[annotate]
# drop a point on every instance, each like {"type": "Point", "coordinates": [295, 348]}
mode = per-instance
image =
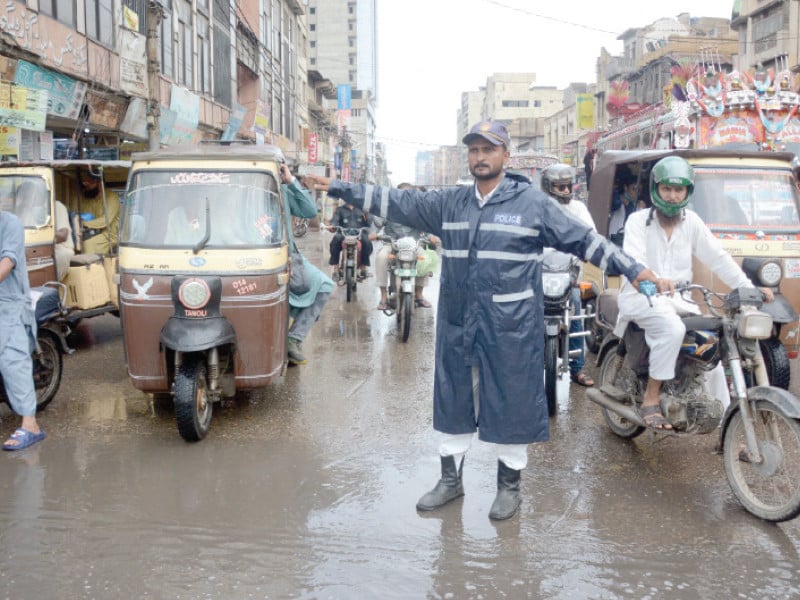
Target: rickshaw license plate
{"type": "Point", "coordinates": [406, 272]}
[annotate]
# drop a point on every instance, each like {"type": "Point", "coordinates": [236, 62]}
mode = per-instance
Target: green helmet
{"type": "Point", "coordinates": [672, 170]}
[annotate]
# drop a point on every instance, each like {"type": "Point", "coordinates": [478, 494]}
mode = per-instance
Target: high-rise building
{"type": "Point", "coordinates": [343, 47]}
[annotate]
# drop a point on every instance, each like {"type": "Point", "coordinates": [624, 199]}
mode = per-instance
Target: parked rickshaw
{"type": "Point", "coordinates": [203, 264]}
{"type": "Point", "coordinates": [31, 190]}
{"type": "Point", "coordinates": [750, 202]}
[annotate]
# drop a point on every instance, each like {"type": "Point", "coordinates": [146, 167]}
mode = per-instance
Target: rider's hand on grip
{"type": "Point", "coordinates": [648, 288]}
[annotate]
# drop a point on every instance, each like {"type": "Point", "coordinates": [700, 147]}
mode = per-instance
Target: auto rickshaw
{"type": "Point", "coordinates": [750, 201]}
{"type": "Point", "coordinates": [31, 190]}
{"type": "Point", "coordinates": [203, 276]}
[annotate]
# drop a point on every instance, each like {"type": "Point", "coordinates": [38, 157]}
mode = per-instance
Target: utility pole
{"type": "Point", "coordinates": [154, 15]}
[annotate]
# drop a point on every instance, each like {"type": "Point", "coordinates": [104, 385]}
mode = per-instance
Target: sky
{"type": "Point", "coordinates": [430, 51]}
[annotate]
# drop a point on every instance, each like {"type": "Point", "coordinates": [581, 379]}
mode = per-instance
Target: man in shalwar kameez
{"type": "Point", "coordinates": [489, 328]}
{"type": "Point", "coordinates": [17, 332]}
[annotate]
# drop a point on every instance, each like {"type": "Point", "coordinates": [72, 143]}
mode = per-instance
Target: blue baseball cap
{"type": "Point", "coordinates": [492, 131]}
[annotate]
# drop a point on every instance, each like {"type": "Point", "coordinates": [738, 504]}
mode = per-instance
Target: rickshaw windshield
{"type": "Point", "coordinates": [746, 200]}
{"type": "Point", "coordinates": [207, 208]}
{"type": "Point", "coordinates": [27, 197]}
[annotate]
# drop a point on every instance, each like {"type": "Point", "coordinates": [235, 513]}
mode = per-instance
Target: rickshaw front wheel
{"type": "Point", "coordinates": [192, 404]}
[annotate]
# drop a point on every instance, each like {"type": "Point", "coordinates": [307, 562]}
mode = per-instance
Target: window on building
{"type": "Point", "coordinates": [203, 54]}
{"type": "Point", "coordinates": [351, 8]}
{"type": "Point", "coordinates": [165, 40]}
{"type": "Point", "coordinates": [223, 86]}
{"type": "Point", "coordinates": [277, 23]}
{"type": "Point", "coordinates": [185, 73]}
{"type": "Point", "coordinates": [222, 12]}
{"type": "Point", "coordinates": [515, 104]}
{"type": "Point", "coordinates": [61, 10]}
{"type": "Point", "coordinates": [99, 22]}
{"type": "Point", "coordinates": [351, 42]}
{"type": "Point", "coordinates": [137, 6]}
{"type": "Point", "coordinates": [312, 10]}
{"type": "Point", "coordinates": [266, 26]}
{"type": "Point", "coordinates": [537, 104]}
{"type": "Point", "coordinates": [312, 27]}
{"type": "Point", "coordinates": [313, 44]}
{"type": "Point", "coordinates": [313, 60]}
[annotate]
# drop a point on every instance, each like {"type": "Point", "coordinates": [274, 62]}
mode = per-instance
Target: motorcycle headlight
{"type": "Point", "coordinates": [406, 243]}
{"type": "Point", "coordinates": [194, 293]}
{"type": "Point", "coordinates": [407, 255]}
{"type": "Point", "coordinates": [755, 325]}
{"type": "Point", "coordinates": [769, 274]}
{"type": "Point", "coordinates": [555, 285]}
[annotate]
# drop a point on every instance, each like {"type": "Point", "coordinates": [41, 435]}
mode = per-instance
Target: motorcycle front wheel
{"type": "Point", "coordinates": [770, 489]}
{"type": "Point", "coordinates": [614, 373]}
{"type": "Point", "coordinates": [404, 315]}
{"type": "Point", "coordinates": [551, 373]}
{"type": "Point", "coordinates": [776, 360]}
{"type": "Point", "coordinates": [47, 368]}
{"type": "Point", "coordinates": [192, 404]}
{"type": "Point", "coordinates": [350, 282]}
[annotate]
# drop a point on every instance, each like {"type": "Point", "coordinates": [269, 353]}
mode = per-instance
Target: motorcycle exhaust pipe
{"type": "Point", "coordinates": [623, 410]}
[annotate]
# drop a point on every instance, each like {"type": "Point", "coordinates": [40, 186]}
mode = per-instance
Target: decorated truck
{"type": "Point", "coordinates": [709, 108]}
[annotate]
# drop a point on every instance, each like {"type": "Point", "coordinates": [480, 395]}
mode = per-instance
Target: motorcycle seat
{"type": "Point", "coordinates": [48, 304]}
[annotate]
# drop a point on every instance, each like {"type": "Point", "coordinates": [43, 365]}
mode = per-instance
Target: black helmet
{"type": "Point", "coordinates": [557, 181]}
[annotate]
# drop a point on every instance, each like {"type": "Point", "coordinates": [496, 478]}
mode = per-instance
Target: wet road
{"type": "Point", "coordinates": [307, 490]}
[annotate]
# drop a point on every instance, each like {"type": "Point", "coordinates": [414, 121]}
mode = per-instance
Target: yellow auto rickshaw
{"type": "Point", "coordinates": [203, 274]}
{"type": "Point", "coordinates": [39, 193]}
{"type": "Point", "coordinates": [750, 202]}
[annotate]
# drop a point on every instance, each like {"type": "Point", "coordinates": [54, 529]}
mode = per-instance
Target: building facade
{"type": "Point", "coordinates": [343, 47]}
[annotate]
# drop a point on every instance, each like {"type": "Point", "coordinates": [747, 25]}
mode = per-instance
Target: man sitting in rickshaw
{"type": "Point", "coordinates": [99, 218]}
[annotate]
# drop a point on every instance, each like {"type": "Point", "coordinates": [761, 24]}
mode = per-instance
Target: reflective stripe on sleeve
{"type": "Point", "coordinates": [384, 209]}
{"type": "Point", "coordinates": [368, 191]}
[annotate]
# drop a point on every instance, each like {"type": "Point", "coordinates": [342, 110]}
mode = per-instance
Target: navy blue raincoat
{"type": "Point", "coordinates": [490, 311]}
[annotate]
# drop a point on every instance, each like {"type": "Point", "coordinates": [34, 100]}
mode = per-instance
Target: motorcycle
{"type": "Point", "coordinates": [350, 258]}
{"type": "Point", "coordinates": [559, 276]}
{"type": "Point", "coordinates": [51, 343]}
{"type": "Point", "coordinates": [409, 259]}
{"type": "Point", "coordinates": [759, 430]}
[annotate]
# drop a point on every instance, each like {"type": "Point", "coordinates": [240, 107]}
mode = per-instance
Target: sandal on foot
{"type": "Point", "coordinates": [421, 303]}
{"type": "Point", "coordinates": [583, 378]}
{"type": "Point", "coordinates": [22, 438]}
{"type": "Point", "coordinates": [653, 419]}
{"type": "Point", "coordinates": [383, 306]}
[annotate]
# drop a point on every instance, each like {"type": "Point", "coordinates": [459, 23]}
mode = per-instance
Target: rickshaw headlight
{"type": "Point", "coordinates": [194, 293]}
{"type": "Point", "coordinates": [770, 273]}
{"type": "Point", "coordinates": [755, 325]}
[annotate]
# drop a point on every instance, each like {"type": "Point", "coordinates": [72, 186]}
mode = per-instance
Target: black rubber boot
{"type": "Point", "coordinates": [507, 501]}
{"type": "Point", "coordinates": [448, 488]}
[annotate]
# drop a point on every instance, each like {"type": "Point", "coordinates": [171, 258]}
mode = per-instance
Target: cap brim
{"type": "Point", "coordinates": [470, 137]}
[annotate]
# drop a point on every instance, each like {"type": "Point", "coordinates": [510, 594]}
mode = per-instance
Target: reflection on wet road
{"type": "Point", "coordinates": [307, 490]}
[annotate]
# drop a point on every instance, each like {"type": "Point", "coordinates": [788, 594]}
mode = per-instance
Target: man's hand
{"type": "Point", "coordinates": [286, 174]}
{"type": "Point", "coordinates": [373, 236]}
{"type": "Point", "coordinates": [768, 294]}
{"type": "Point", "coordinates": [317, 183]}
{"type": "Point", "coordinates": [645, 275]}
